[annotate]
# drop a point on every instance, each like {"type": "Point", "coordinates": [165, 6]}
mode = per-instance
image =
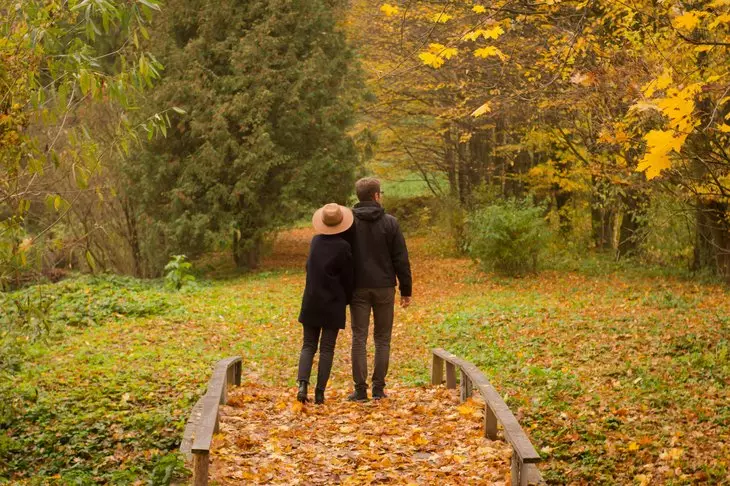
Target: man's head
{"type": "Point", "coordinates": [368, 189]}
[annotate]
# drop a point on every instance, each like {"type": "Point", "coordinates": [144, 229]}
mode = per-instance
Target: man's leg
{"type": "Point", "coordinates": [326, 356]}
{"type": "Point", "coordinates": [383, 302]}
{"type": "Point", "coordinates": [360, 316]}
{"type": "Point", "coordinates": [309, 347]}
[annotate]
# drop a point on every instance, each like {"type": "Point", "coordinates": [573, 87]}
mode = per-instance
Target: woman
{"type": "Point", "coordinates": [330, 283]}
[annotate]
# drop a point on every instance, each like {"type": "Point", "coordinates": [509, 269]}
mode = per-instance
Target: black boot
{"type": "Point", "coordinates": [359, 395]}
{"type": "Point", "coordinates": [302, 394]}
{"type": "Point", "coordinates": [318, 396]}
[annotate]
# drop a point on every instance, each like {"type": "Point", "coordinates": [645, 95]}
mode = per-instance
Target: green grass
{"type": "Point", "coordinates": [613, 376]}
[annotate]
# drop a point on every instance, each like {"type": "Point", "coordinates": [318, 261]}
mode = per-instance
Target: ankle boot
{"type": "Point", "coordinates": [318, 396]}
{"type": "Point", "coordinates": [302, 393]}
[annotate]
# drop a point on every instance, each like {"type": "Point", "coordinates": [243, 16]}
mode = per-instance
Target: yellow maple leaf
{"type": "Point", "coordinates": [686, 21]}
{"type": "Point", "coordinates": [490, 51]}
{"type": "Point", "coordinates": [479, 9]}
{"type": "Point", "coordinates": [492, 33]}
{"type": "Point", "coordinates": [431, 59]}
{"type": "Point", "coordinates": [679, 106]}
{"type": "Point", "coordinates": [473, 35]}
{"type": "Point", "coordinates": [485, 108]}
{"type": "Point", "coordinates": [724, 128]}
{"type": "Point", "coordinates": [633, 446]}
{"type": "Point", "coordinates": [388, 9]}
{"type": "Point", "coordinates": [659, 146]}
{"type": "Point", "coordinates": [441, 18]}
{"type": "Point", "coordinates": [442, 51]}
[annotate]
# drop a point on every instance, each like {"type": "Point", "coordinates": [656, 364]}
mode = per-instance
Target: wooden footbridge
{"type": "Point", "coordinates": [232, 428]}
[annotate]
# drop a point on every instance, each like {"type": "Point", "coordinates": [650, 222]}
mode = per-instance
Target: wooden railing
{"type": "Point", "coordinates": [203, 422]}
{"type": "Point", "coordinates": [524, 455]}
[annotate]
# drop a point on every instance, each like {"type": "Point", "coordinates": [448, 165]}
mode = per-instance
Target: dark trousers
{"type": "Point", "coordinates": [326, 339]}
{"type": "Point", "coordinates": [381, 302]}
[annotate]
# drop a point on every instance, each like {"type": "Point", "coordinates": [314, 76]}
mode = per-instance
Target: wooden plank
{"type": "Point", "coordinates": [512, 430]}
{"type": "Point", "coordinates": [515, 470]}
{"type": "Point", "coordinates": [466, 389]}
{"type": "Point", "coordinates": [207, 426]}
{"type": "Point", "coordinates": [237, 377]}
{"type": "Point", "coordinates": [437, 370]}
{"type": "Point", "coordinates": [450, 375]}
{"type": "Point", "coordinates": [190, 427]}
{"type": "Point", "coordinates": [530, 476]}
{"type": "Point", "coordinates": [200, 468]}
{"type": "Point", "coordinates": [490, 423]}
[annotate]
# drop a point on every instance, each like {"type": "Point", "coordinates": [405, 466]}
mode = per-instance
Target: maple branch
{"type": "Point", "coordinates": [700, 43]}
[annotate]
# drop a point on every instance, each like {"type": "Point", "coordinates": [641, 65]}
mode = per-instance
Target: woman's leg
{"type": "Point", "coordinates": [326, 355]}
{"type": "Point", "coordinates": [309, 347]}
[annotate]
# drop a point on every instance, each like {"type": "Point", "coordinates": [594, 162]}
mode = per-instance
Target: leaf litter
{"type": "Point", "coordinates": [418, 435]}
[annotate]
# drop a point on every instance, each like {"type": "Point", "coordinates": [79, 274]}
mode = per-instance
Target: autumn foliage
{"type": "Point", "coordinates": [598, 108]}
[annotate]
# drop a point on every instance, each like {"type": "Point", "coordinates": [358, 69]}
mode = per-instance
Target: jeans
{"type": "Point", "coordinates": [326, 338]}
{"type": "Point", "coordinates": [382, 302]}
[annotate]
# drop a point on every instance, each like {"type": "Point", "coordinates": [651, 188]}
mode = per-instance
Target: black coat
{"type": "Point", "coordinates": [379, 250]}
{"type": "Point", "coordinates": [330, 282]}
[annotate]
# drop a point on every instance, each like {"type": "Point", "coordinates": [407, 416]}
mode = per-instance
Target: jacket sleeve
{"type": "Point", "coordinates": [401, 263]}
{"type": "Point", "coordinates": [347, 276]}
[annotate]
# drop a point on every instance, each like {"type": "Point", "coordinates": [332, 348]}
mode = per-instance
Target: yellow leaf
{"type": "Point", "coordinates": [297, 407]}
{"type": "Point", "coordinates": [490, 51]}
{"type": "Point", "coordinates": [441, 18]}
{"type": "Point", "coordinates": [473, 35]}
{"type": "Point", "coordinates": [492, 33]}
{"type": "Point", "coordinates": [686, 21]}
{"type": "Point", "coordinates": [664, 80]}
{"type": "Point", "coordinates": [633, 446]}
{"type": "Point", "coordinates": [485, 108]}
{"type": "Point", "coordinates": [724, 128]}
{"type": "Point", "coordinates": [659, 145]}
{"type": "Point", "coordinates": [442, 51]}
{"type": "Point", "coordinates": [479, 9]}
{"type": "Point", "coordinates": [642, 106]}
{"type": "Point", "coordinates": [388, 9]}
{"type": "Point", "coordinates": [430, 59]}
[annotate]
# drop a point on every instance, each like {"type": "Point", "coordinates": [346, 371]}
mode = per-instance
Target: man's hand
{"type": "Point", "coordinates": [405, 301]}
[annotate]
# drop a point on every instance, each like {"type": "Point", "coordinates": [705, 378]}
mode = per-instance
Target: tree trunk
{"type": "Point", "coordinates": [246, 250]}
{"type": "Point", "coordinates": [133, 236]}
{"type": "Point", "coordinates": [632, 223]}
{"type": "Point", "coordinates": [450, 161]}
{"type": "Point", "coordinates": [712, 245]}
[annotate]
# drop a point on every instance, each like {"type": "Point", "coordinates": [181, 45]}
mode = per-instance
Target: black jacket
{"type": "Point", "coordinates": [330, 282]}
{"type": "Point", "coordinates": [380, 250]}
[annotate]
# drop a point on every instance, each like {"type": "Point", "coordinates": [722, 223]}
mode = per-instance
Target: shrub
{"type": "Point", "coordinates": [507, 237]}
{"type": "Point", "coordinates": [414, 214]}
{"type": "Point", "coordinates": [178, 272]}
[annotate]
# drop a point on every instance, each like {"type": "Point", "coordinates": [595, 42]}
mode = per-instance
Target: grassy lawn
{"type": "Point", "coordinates": [618, 379]}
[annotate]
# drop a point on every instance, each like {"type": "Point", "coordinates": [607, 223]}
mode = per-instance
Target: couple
{"type": "Point", "coordinates": [354, 259]}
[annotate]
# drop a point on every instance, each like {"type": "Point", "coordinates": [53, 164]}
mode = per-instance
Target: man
{"type": "Point", "coordinates": [380, 255]}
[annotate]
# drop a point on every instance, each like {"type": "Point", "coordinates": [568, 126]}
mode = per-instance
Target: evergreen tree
{"type": "Point", "coordinates": [268, 87]}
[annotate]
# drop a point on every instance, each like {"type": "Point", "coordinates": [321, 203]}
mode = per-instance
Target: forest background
{"type": "Point", "coordinates": [535, 134]}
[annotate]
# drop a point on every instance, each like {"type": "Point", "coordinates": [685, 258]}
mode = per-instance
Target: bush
{"type": "Point", "coordinates": [414, 214]}
{"type": "Point", "coordinates": [178, 272]}
{"type": "Point", "coordinates": [507, 237]}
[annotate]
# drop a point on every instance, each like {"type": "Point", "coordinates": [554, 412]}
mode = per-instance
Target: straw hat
{"type": "Point", "coordinates": [332, 218]}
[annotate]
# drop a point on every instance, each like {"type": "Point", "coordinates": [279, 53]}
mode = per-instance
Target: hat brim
{"type": "Point", "coordinates": [344, 225]}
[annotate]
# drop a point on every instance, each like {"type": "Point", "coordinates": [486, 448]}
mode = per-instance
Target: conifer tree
{"type": "Point", "coordinates": [268, 88]}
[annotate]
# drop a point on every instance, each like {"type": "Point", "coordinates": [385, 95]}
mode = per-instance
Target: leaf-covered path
{"type": "Point", "coordinates": [415, 436]}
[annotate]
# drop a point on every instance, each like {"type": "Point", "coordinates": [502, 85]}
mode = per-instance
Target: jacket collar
{"type": "Point", "coordinates": [368, 204]}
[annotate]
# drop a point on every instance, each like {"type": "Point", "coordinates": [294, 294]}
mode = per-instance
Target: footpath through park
{"type": "Point", "coordinates": [457, 430]}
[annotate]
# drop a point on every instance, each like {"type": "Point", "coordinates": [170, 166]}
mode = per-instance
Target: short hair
{"type": "Point", "coordinates": [366, 188]}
